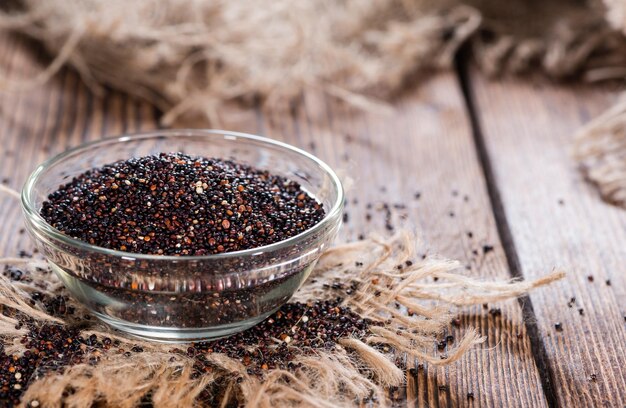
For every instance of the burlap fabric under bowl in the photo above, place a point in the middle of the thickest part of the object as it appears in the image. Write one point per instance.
(410, 300)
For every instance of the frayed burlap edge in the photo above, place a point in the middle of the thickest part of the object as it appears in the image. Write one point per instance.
(600, 148)
(354, 370)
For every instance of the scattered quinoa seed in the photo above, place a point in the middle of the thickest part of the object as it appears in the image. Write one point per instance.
(495, 312)
(571, 302)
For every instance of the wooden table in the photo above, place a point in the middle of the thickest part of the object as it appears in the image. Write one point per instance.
(478, 164)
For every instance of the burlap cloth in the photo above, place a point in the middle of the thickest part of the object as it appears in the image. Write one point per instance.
(195, 57)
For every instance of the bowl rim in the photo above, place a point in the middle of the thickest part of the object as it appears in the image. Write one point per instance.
(42, 225)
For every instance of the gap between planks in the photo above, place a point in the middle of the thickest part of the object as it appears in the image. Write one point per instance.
(557, 218)
(537, 346)
(430, 138)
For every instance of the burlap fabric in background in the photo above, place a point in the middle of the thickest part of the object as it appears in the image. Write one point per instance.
(194, 57)
(601, 144)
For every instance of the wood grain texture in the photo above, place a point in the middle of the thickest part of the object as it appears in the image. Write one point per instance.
(425, 147)
(556, 219)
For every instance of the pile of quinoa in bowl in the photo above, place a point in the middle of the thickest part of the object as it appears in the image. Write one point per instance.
(176, 204)
(177, 246)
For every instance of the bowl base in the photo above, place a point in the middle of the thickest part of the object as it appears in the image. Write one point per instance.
(180, 334)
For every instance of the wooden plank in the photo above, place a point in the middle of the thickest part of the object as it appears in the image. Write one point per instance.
(557, 220)
(426, 147)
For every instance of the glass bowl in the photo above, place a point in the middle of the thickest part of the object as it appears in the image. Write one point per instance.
(186, 298)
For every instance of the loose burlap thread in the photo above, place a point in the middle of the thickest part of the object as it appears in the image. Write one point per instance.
(354, 370)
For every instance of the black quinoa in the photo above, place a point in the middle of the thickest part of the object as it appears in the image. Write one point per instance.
(295, 329)
(495, 312)
(176, 204)
(48, 348)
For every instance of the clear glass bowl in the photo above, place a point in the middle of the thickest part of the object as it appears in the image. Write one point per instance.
(187, 298)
